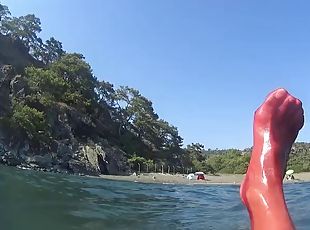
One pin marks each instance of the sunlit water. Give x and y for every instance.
(42, 201)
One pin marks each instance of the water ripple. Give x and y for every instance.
(51, 201)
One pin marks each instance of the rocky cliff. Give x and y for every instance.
(82, 144)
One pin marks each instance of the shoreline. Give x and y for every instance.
(220, 179)
(159, 178)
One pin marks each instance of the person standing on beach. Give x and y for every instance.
(276, 125)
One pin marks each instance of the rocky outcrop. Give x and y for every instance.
(80, 144)
(83, 143)
(85, 159)
(105, 159)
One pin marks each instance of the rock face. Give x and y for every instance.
(81, 144)
(101, 158)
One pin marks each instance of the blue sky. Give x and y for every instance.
(205, 65)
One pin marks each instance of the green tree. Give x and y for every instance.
(136, 113)
(46, 86)
(49, 52)
(67, 80)
(136, 162)
(216, 162)
(24, 28)
(77, 75)
(126, 100)
(30, 120)
(4, 12)
(169, 136)
(195, 151)
(233, 161)
(54, 50)
(106, 94)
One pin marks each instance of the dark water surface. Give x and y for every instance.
(43, 201)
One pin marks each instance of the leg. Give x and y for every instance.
(276, 125)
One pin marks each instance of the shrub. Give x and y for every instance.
(29, 120)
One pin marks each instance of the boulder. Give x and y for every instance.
(106, 159)
(81, 167)
(117, 163)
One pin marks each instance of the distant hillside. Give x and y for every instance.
(300, 157)
(236, 161)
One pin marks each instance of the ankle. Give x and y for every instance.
(263, 205)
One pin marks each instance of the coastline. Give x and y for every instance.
(220, 179)
(159, 178)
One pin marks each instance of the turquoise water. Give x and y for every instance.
(34, 201)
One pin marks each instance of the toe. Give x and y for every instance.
(277, 97)
(281, 93)
(299, 119)
(298, 103)
(289, 107)
(273, 101)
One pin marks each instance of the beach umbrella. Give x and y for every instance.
(289, 172)
(199, 173)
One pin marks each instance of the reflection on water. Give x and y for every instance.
(32, 200)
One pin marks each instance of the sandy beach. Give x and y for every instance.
(181, 179)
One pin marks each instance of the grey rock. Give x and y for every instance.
(105, 159)
(79, 167)
(45, 161)
(18, 86)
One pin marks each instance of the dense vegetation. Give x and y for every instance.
(60, 79)
(65, 79)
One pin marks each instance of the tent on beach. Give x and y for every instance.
(196, 175)
(200, 175)
(190, 176)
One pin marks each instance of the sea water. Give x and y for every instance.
(44, 201)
